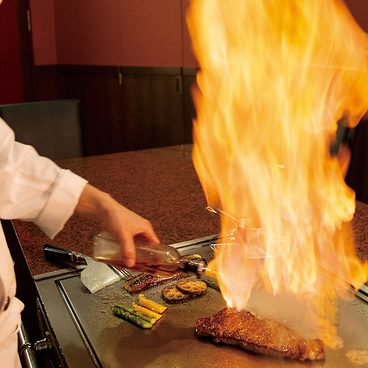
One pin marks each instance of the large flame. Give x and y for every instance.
(275, 77)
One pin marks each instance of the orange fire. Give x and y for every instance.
(274, 79)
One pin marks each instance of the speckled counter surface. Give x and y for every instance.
(159, 184)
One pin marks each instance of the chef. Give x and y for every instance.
(34, 188)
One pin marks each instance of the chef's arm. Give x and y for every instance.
(123, 224)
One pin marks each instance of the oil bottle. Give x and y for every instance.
(154, 258)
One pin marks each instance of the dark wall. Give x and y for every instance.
(130, 64)
(142, 105)
(124, 108)
(11, 89)
(359, 10)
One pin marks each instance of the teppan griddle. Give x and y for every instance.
(86, 334)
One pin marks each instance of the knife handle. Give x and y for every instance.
(63, 256)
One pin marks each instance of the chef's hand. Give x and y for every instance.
(123, 224)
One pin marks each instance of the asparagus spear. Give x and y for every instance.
(130, 310)
(211, 283)
(130, 317)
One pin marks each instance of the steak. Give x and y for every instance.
(262, 336)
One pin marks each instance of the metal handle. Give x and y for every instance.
(63, 256)
(27, 350)
(179, 84)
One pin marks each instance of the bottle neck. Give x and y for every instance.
(195, 266)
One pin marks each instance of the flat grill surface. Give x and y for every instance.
(172, 342)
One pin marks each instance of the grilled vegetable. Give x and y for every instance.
(193, 287)
(211, 283)
(145, 281)
(147, 303)
(172, 294)
(183, 290)
(118, 312)
(146, 311)
(130, 310)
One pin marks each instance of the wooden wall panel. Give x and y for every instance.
(45, 83)
(189, 82)
(101, 108)
(145, 110)
(153, 108)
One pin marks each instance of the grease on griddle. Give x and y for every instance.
(358, 357)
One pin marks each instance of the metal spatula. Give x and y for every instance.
(95, 276)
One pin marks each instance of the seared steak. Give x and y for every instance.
(263, 336)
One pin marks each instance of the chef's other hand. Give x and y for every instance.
(123, 224)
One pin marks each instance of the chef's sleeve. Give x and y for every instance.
(33, 188)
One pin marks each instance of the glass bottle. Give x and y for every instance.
(153, 258)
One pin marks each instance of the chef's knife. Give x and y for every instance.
(63, 256)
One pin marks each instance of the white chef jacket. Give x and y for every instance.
(32, 188)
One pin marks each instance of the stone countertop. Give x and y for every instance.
(159, 184)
